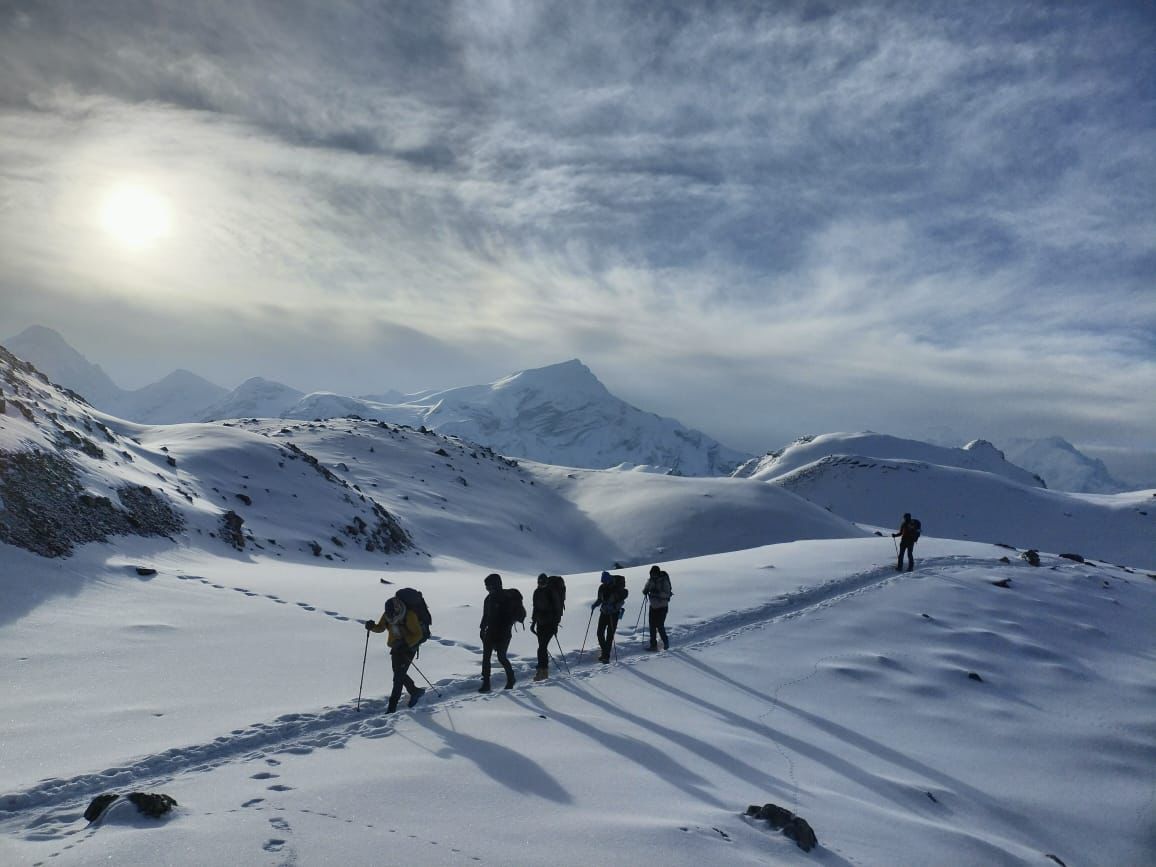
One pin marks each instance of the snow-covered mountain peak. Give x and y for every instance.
(570, 378)
(256, 397)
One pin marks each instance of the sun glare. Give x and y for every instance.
(135, 216)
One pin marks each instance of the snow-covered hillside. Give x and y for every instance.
(969, 504)
(976, 455)
(1062, 465)
(886, 709)
(332, 489)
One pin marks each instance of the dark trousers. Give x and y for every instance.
(545, 636)
(909, 547)
(607, 624)
(658, 625)
(499, 644)
(401, 658)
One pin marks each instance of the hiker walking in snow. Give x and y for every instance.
(549, 603)
(658, 592)
(612, 595)
(405, 634)
(908, 535)
(500, 611)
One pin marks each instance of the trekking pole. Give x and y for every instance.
(589, 620)
(364, 657)
(639, 618)
(426, 679)
(561, 653)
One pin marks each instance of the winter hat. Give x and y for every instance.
(906, 516)
(654, 570)
(541, 578)
(606, 577)
(493, 581)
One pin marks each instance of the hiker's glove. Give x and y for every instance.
(369, 624)
(595, 605)
(534, 626)
(893, 535)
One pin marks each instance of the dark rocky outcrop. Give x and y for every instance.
(231, 532)
(45, 509)
(794, 827)
(151, 804)
(1032, 556)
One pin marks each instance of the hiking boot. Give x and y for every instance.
(665, 644)
(604, 659)
(392, 707)
(414, 696)
(653, 646)
(541, 674)
(509, 682)
(485, 687)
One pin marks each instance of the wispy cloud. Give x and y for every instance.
(823, 207)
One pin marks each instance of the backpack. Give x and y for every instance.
(415, 602)
(661, 589)
(510, 607)
(616, 597)
(916, 529)
(556, 592)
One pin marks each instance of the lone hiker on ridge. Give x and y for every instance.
(612, 595)
(405, 634)
(549, 603)
(908, 535)
(496, 628)
(658, 591)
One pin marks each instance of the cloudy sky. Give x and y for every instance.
(764, 219)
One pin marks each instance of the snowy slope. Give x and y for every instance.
(887, 709)
(976, 455)
(1063, 466)
(968, 504)
(804, 672)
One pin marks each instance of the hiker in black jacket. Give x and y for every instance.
(908, 535)
(547, 614)
(612, 595)
(496, 628)
(658, 592)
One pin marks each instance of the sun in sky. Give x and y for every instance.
(135, 216)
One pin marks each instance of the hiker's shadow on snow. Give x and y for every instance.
(887, 788)
(650, 757)
(734, 766)
(501, 764)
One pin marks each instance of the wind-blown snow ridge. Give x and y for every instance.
(305, 731)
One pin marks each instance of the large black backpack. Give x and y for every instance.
(510, 609)
(415, 602)
(556, 593)
(916, 529)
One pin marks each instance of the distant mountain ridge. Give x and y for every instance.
(559, 414)
(178, 397)
(1063, 466)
